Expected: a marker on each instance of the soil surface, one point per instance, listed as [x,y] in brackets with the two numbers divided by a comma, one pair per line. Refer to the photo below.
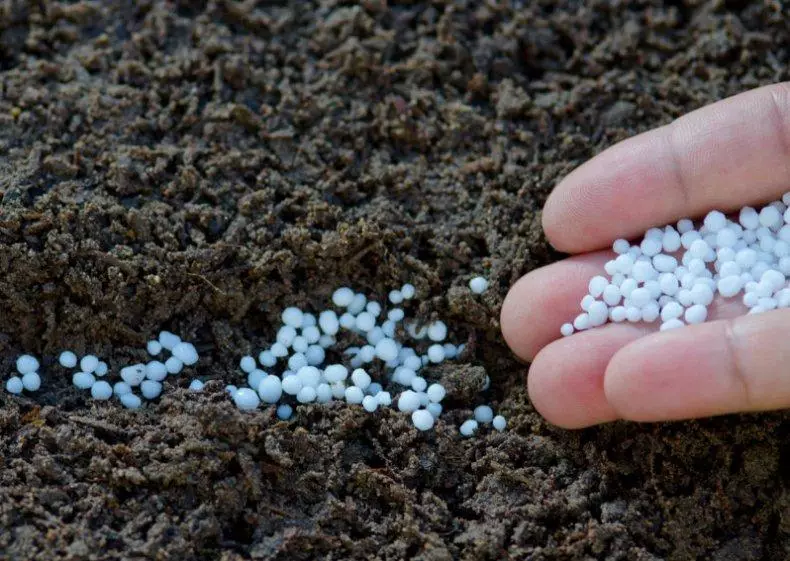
[197,166]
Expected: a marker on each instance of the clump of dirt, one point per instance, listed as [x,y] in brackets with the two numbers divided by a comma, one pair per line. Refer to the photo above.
[199,165]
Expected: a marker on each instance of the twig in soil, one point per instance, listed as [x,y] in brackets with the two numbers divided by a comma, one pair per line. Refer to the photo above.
[211,284]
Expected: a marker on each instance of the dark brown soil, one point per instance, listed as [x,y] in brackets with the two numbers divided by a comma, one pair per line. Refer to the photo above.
[199,165]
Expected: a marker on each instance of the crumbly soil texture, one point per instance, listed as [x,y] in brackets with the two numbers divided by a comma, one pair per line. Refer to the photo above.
[199,165]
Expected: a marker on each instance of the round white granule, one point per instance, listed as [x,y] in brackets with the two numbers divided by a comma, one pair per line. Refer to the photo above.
[764,303]
[335,373]
[370,403]
[699,249]
[101,391]
[610,267]
[186,353]
[586,301]
[387,349]
[365,321]
[419,384]
[478,285]
[671,241]
[436,353]
[729,286]
[315,355]
[153,347]
[347,321]
[360,378]
[279,350]
[643,271]
[26,363]
[729,269]
[715,221]
[640,297]
[173,365]
[132,375]
[633,314]
[621,246]
[246,399]
[665,263]
[300,344]
[468,427]
[367,353]
[654,233]
[652,246]
[696,314]
[581,322]
[101,369]
[434,409]
[31,381]
[685,225]
[672,310]
[749,218]
[151,389]
[396,297]
[597,285]
[267,359]
[342,297]
[310,376]
[131,401]
[284,412]
[311,334]
[726,237]
[701,294]
[422,419]
[408,291]
[323,393]
[598,313]
[270,389]
[436,392]
[617,314]
[286,335]
[291,384]
[374,388]
[408,401]
[611,295]
[196,386]
[328,322]
[669,284]
[437,331]
[671,324]
[121,388]
[650,312]
[395,315]
[338,390]
[384,399]
[499,423]
[293,317]
[168,340]
[354,395]
[155,371]
[231,390]
[566,330]
[770,217]
[67,359]
[306,395]
[297,361]
[484,414]
[14,385]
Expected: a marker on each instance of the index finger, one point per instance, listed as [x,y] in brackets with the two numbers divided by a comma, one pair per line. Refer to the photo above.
[724,156]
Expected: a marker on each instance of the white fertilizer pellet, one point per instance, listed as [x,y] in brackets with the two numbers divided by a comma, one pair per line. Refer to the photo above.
[196,386]
[26,364]
[101,391]
[31,381]
[468,427]
[422,419]
[246,399]
[478,285]
[67,359]
[14,385]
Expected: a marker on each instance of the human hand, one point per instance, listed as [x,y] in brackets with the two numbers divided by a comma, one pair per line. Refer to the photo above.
[724,156]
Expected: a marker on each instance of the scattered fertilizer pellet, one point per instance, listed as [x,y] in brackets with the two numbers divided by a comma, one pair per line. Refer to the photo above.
[284,411]
[153,347]
[246,399]
[196,386]
[31,381]
[468,427]
[26,364]
[131,401]
[88,364]
[101,391]
[484,414]
[478,285]
[67,359]
[499,423]
[422,419]
[674,273]
[14,385]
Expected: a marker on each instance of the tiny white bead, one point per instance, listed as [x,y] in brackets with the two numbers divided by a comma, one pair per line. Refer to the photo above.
[566,329]
[335,373]
[469,427]
[436,353]
[284,412]
[121,388]
[132,375]
[186,353]
[395,296]
[306,395]
[387,350]
[67,359]
[437,331]
[370,403]
[696,314]
[31,381]
[196,386]
[685,225]
[101,391]
[173,365]
[597,285]
[328,322]
[478,285]
[484,414]
[422,419]
[168,340]
[365,322]
[292,317]
[715,221]
[621,246]
[270,389]
[155,371]
[408,291]
[150,389]
[131,401]
[342,297]
[246,399]
[26,364]
[499,423]
[354,395]
[581,322]
[360,378]
[153,347]
[598,313]
[749,218]
[14,385]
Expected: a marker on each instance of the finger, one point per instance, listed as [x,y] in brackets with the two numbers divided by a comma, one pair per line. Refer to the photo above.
[709,369]
[723,156]
[566,379]
[541,301]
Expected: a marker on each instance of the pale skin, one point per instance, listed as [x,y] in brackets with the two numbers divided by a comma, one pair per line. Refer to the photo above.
[733,153]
